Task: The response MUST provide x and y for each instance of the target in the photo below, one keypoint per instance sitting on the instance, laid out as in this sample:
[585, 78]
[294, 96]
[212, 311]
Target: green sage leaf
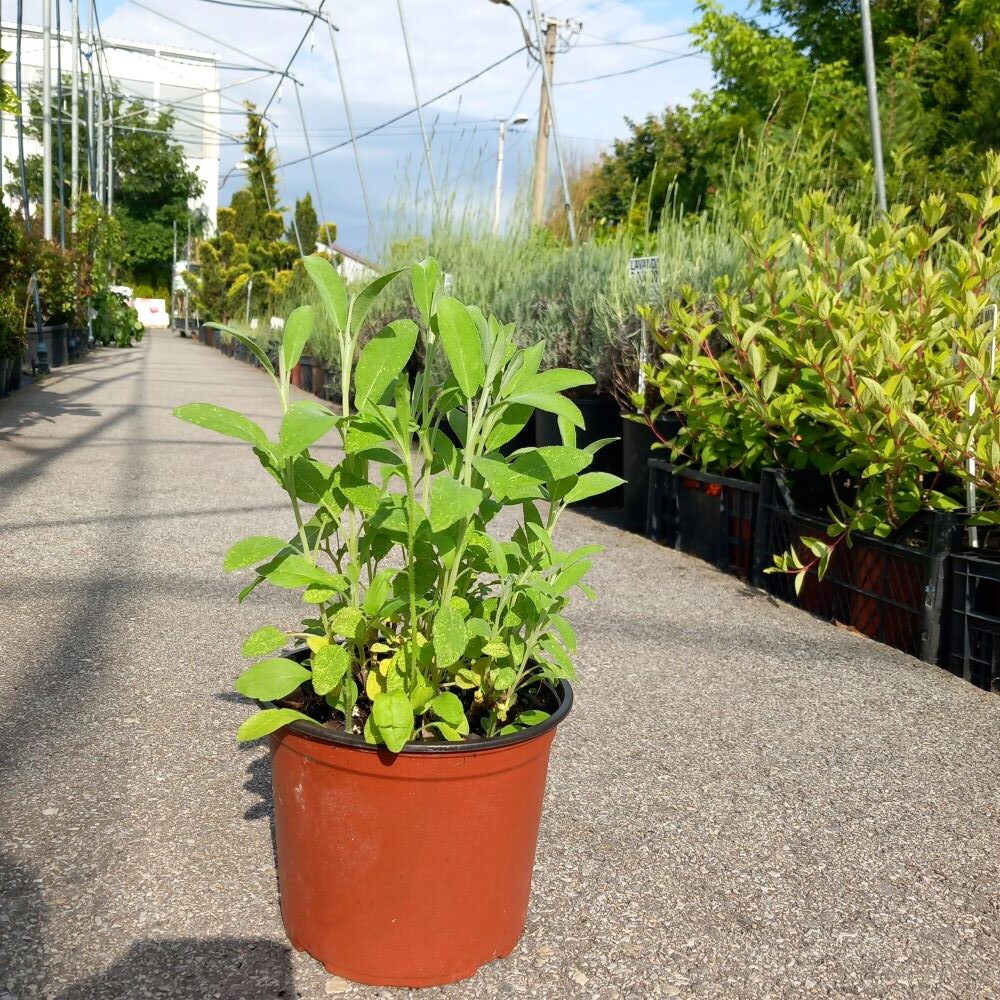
[393, 714]
[223, 421]
[267, 721]
[295, 570]
[451, 501]
[592, 484]
[270, 679]
[264, 640]
[449, 635]
[331, 288]
[382, 360]
[366, 298]
[552, 463]
[298, 330]
[250, 551]
[304, 423]
[329, 666]
[462, 344]
[448, 708]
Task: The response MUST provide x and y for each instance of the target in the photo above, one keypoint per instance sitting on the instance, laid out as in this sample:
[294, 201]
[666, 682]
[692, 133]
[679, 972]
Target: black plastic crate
[975, 620]
[892, 590]
[708, 516]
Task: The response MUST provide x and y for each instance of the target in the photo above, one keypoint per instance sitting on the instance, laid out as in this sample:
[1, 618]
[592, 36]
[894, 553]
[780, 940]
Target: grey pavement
[745, 801]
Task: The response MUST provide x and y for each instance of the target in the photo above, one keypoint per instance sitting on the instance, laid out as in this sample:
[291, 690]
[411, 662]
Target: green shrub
[849, 353]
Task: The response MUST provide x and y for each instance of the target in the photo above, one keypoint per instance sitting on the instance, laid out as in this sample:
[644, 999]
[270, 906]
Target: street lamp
[501, 136]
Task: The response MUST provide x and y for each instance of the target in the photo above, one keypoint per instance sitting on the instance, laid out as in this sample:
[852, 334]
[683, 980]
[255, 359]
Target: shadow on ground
[172, 968]
[192, 969]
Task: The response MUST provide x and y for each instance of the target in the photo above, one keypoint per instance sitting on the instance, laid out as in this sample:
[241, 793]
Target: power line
[406, 114]
[634, 69]
[631, 41]
[211, 38]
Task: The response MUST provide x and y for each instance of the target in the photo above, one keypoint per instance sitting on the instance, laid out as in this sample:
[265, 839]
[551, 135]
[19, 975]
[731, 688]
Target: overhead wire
[354, 137]
[405, 114]
[633, 69]
[202, 34]
[416, 97]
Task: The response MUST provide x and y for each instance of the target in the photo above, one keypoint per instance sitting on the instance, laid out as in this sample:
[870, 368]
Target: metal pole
[74, 133]
[91, 158]
[249, 290]
[111, 154]
[354, 141]
[59, 126]
[873, 115]
[540, 175]
[312, 162]
[547, 67]
[187, 297]
[501, 135]
[173, 280]
[416, 101]
[41, 351]
[47, 119]
[100, 133]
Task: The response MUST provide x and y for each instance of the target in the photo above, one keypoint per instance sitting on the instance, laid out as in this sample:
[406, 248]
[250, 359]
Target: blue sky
[451, 40]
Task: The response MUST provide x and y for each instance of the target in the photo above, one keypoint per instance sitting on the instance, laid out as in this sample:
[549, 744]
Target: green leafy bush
[849, 354]
[423, 625]
[116, 323]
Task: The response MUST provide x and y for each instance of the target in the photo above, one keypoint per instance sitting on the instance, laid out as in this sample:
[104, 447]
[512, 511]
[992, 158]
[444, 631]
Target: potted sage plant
[411, 710]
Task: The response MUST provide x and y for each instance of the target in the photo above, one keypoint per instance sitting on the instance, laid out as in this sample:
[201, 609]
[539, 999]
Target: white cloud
[451, 40]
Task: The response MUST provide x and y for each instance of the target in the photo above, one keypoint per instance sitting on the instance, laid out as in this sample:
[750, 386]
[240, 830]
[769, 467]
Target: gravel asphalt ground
[745, 802]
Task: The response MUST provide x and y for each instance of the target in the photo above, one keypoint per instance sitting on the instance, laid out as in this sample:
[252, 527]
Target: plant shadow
[193, 968]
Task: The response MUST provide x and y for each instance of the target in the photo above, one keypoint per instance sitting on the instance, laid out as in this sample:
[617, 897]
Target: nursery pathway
[744, 803]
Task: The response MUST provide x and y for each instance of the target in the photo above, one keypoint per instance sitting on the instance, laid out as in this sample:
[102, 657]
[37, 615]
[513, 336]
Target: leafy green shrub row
[863, 355]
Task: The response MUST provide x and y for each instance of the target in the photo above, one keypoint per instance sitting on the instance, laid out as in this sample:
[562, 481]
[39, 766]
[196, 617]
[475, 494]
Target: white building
[182, 81]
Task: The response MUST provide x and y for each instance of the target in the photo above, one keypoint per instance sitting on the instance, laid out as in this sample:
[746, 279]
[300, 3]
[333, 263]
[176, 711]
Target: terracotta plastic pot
[413, 869]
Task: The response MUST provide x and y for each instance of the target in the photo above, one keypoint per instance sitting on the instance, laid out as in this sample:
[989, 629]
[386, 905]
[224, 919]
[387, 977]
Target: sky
[451, 40]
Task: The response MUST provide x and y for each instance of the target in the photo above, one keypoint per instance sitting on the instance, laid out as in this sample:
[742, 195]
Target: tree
[795, 92]
[327, 233]
[306, 228]
[8, 96]
[261, 170]
[153, 184]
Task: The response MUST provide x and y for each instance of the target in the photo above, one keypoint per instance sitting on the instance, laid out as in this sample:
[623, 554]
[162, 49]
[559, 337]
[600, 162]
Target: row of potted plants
[61, 293]
[846, 377]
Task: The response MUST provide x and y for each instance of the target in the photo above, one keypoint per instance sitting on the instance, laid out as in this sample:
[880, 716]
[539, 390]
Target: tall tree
[306, 224]
[261, 169]
[797, 90]
[153, 184]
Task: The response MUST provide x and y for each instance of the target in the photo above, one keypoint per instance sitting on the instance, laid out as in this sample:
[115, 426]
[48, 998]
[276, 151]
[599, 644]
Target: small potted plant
[411, 711]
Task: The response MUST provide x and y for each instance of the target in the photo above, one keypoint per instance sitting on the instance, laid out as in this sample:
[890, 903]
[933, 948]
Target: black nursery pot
[601, 420]
[637, 448]
[56, 341]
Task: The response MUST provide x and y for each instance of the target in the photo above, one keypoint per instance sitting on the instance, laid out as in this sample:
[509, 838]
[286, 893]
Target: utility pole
[542, 142]
[74, 132]
[47, 119]
[873, 115]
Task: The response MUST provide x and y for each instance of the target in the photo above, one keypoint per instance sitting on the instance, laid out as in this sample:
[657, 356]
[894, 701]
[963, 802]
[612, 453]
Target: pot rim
[563, 692]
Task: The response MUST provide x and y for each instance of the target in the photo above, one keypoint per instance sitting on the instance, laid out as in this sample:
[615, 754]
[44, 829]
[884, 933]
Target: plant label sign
[644, 272]
[644, 268]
